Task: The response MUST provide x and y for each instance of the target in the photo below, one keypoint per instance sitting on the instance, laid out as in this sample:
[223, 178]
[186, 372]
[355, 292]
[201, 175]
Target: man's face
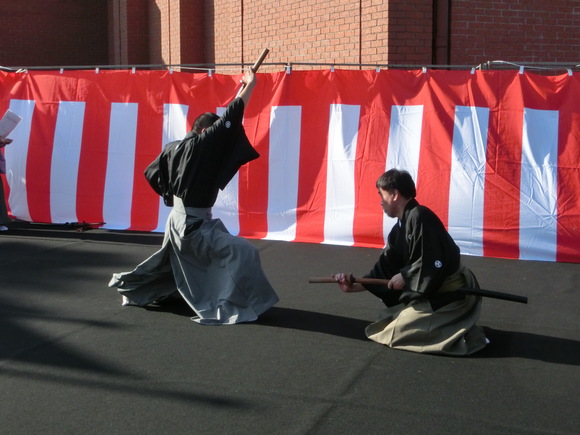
[388, 201]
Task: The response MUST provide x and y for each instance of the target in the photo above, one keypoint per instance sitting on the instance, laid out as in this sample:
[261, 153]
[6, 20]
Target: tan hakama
[449, 330]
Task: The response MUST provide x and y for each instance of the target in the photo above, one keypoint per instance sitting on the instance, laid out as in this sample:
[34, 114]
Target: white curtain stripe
[404, 146]
[66, 154]
[539, 186]
[466, 193]
[283, 169]
[118, 196]
[16, 156]
[226, 207]
[340, 189]
[174, 128]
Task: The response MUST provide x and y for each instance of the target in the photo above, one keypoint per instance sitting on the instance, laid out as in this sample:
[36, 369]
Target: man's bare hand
[249, 79]
[347, 283]
[4, 142]
[397, 282]
[248, 82]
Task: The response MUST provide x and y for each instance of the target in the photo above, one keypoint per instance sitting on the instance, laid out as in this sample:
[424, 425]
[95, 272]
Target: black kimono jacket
[420, 248]
[195, 168]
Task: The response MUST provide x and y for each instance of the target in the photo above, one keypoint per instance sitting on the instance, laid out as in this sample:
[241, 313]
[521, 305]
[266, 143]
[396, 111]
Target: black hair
[400, 180]
[204, 120]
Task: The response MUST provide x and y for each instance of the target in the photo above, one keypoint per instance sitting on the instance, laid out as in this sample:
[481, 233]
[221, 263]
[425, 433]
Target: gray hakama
[219, 275]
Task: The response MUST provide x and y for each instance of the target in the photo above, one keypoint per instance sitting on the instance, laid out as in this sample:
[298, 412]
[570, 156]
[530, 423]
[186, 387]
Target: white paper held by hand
[8, 123]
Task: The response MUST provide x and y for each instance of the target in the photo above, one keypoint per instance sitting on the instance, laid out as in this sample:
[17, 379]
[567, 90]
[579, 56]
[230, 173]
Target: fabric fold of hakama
[219, 275]
[417, 327]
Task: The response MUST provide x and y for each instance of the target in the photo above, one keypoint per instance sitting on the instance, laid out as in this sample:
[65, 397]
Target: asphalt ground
[73, 360]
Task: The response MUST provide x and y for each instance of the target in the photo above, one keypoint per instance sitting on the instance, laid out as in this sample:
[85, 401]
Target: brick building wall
[170, 31]
[398, 32]
[370, 32]
[395, 32]
[335, 31]
[409, 35]
[54, 32]
[515, 30]
[128, 43]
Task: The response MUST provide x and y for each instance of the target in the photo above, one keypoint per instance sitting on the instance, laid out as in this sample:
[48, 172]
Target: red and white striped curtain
[496, 154]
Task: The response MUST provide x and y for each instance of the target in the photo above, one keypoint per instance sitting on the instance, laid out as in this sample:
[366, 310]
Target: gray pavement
[73, 360]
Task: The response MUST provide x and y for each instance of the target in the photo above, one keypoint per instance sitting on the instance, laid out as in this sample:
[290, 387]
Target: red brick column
[410, 32]
[128, 32]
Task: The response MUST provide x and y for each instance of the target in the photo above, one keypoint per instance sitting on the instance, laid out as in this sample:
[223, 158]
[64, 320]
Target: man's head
[396, 188]
[204, 121]
[399, 180]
